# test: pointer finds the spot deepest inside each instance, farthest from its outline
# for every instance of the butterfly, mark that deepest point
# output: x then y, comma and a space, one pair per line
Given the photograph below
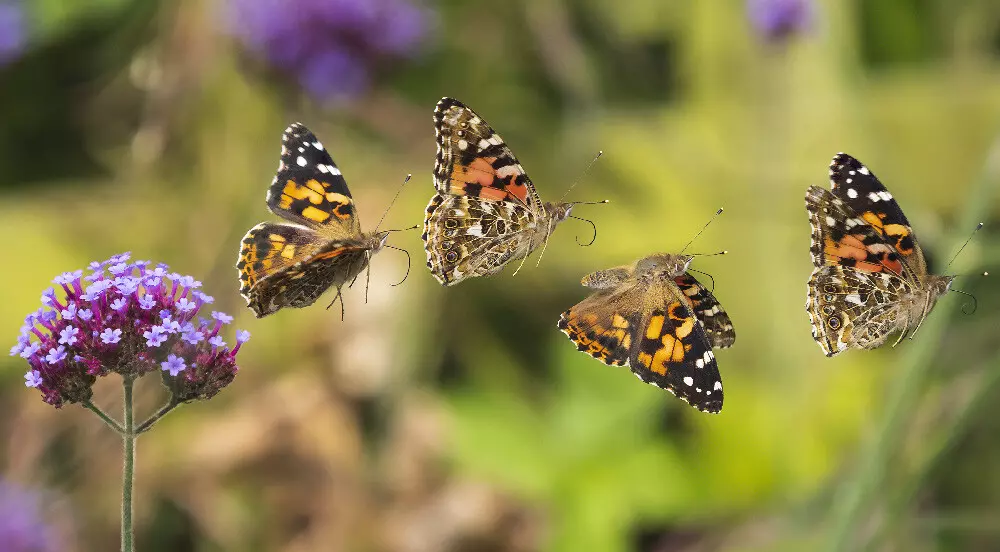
658, 320
486, 211
870, 278
291, 265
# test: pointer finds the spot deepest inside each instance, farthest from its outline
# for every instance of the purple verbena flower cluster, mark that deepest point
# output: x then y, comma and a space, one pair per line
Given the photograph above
130, 318
779, 20
331, 45
12, 31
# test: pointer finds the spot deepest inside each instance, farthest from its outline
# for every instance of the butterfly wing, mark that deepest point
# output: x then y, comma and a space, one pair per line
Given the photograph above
285, 265
308, 188
708, 311
654, 331
473, 160
849, 307
465, 238
858, 224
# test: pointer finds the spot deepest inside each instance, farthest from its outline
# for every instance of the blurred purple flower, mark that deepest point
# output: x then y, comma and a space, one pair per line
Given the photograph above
22, 527
332, 46
779, 20
12, 31
83, 332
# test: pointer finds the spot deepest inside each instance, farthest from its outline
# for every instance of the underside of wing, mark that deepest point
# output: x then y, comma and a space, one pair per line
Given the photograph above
465, 238
852, 308
284, 265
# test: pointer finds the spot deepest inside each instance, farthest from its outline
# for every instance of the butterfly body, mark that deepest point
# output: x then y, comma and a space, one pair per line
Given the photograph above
485, 211
870, 279
293, 264
660, 321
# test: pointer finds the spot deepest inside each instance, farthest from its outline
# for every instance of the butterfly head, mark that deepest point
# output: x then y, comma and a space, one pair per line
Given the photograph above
664, 265
558, 212
376, 240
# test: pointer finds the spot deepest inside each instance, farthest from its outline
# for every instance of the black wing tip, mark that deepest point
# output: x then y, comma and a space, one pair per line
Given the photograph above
448, 102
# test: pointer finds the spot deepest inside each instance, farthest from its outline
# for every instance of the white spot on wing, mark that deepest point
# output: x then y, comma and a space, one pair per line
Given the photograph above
301, 161
689, 381
851, 192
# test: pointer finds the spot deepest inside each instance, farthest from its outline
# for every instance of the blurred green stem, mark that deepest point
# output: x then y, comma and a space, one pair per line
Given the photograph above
853, 502
112, 423
163, 411
128, 438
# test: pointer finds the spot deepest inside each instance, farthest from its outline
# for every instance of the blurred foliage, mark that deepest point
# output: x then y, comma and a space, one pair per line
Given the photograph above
461, 419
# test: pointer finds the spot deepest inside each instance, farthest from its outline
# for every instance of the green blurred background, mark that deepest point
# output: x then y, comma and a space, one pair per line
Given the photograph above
460, 419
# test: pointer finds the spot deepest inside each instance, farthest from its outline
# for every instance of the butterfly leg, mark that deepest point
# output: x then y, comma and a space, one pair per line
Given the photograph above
335, 297
906, 328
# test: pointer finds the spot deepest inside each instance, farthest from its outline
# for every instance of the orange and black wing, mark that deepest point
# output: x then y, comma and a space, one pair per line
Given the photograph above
664, 344
308, 188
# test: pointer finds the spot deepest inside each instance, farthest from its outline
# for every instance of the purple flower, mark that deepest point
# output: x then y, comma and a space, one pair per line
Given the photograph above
192, 336
82, 344
69, 313
22, 522
30, 349
174, 364
126, 285
217, 341
185, 305
111, 336
68, 335
222, 317
118, 269
154, 336
119, 258
779, 20
332, 46
13, 30
56, 355
33, 378
242, 336
206, 299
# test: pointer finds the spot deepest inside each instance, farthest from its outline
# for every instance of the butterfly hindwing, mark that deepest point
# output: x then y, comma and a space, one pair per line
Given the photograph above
465, 237
308, 187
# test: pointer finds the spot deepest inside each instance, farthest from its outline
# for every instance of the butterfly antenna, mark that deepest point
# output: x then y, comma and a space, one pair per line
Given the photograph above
582, 176
592, 225
407, 275
717, 213
391, 203
710, 278
978, 227
723, 252
975, 302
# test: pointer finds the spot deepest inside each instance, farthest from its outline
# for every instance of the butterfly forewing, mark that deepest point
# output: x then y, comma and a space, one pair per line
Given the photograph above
309, 188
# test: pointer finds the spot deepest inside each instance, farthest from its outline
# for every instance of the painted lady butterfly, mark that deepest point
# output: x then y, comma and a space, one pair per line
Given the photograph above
486, 211
871, 278
660, 321
291, 265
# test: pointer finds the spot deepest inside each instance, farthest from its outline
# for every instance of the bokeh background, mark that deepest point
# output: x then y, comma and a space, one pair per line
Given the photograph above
460, 419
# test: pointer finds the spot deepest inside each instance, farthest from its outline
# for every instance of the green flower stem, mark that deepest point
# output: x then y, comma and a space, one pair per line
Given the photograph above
163, 411
112, 423
128, 438
852, 504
